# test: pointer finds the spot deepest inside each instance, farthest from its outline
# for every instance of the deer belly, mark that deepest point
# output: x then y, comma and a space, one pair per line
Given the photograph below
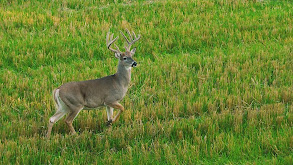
91, 108
93, 104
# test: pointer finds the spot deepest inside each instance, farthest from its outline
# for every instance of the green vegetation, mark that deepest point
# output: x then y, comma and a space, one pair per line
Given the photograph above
214, 82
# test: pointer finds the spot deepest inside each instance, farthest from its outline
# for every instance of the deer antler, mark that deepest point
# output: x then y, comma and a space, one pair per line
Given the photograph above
110, 41
132, 39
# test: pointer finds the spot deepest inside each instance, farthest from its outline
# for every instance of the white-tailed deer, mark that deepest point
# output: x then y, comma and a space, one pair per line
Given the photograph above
71, 98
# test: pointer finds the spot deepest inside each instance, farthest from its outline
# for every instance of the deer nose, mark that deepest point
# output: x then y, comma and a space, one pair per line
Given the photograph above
134, 64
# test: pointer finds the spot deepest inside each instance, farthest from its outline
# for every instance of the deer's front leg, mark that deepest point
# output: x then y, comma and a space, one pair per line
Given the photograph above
116, 106
109, 115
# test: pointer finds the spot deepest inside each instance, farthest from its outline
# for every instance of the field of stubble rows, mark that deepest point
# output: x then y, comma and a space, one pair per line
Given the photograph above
214, 82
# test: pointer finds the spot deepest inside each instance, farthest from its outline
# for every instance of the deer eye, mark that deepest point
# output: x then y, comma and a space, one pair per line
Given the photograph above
124, 58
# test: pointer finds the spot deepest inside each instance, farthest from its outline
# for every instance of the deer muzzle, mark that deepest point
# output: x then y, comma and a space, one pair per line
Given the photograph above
133, 64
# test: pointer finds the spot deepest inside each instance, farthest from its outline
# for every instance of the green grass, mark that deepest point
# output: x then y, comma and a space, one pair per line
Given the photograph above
214, 82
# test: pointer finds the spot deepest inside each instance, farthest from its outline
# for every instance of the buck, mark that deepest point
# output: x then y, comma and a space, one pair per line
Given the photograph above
72, 97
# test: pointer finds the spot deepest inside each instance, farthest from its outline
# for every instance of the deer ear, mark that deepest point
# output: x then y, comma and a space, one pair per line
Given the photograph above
133, 51
117, 55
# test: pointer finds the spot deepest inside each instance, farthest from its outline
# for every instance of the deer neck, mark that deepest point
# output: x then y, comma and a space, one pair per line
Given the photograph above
123, 74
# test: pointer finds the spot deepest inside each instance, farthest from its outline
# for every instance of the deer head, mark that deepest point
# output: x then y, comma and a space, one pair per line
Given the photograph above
124, 57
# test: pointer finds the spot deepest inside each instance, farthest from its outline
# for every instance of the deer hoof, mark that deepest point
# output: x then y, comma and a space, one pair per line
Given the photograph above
109, 123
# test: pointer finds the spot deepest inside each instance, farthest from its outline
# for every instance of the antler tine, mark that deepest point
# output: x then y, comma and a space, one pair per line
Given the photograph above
117, 47
107, 38
136, 38
110, 41
125, 46
132, 37
133, 34
111, 37
125, 37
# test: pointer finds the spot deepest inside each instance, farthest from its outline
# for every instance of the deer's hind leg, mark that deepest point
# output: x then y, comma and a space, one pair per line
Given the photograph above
57, 116
71, 116
61, 111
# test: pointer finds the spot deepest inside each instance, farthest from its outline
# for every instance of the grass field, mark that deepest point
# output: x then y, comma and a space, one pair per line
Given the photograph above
214, 82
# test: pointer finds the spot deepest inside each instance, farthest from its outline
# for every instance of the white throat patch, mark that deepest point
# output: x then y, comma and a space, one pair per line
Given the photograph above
128, 68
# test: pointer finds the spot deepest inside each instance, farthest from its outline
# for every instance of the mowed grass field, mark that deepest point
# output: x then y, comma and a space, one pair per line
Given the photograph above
214, 82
